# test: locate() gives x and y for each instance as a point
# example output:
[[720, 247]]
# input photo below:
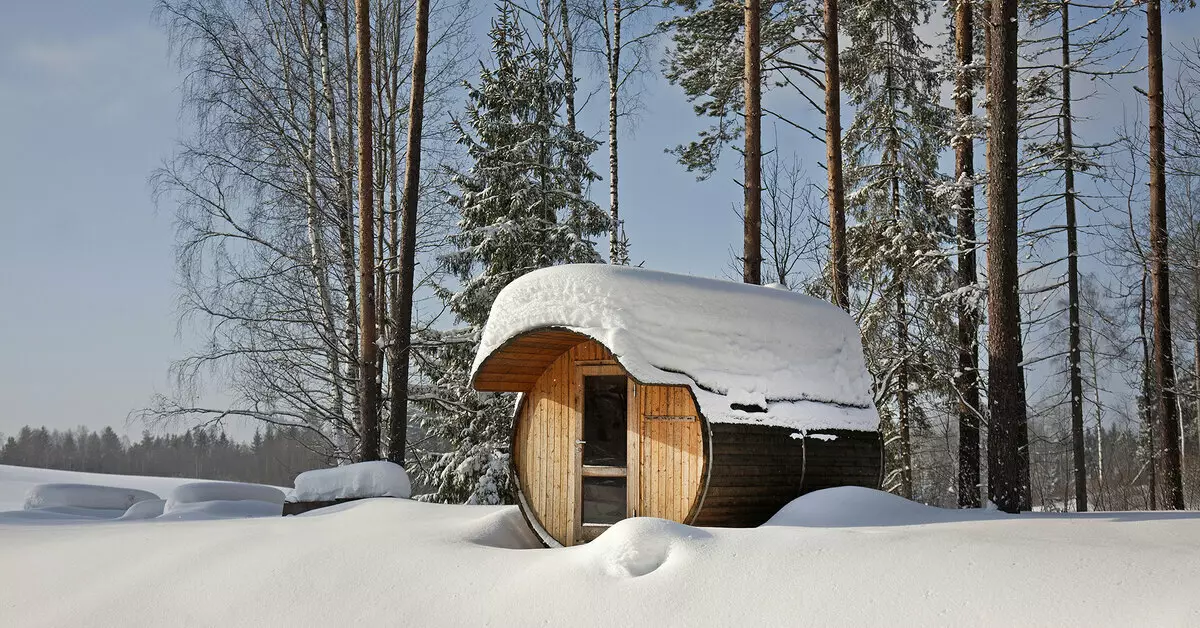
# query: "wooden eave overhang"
[[517, 364]]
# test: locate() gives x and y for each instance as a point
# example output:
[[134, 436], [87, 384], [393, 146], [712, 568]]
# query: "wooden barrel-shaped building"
[[706, 402]]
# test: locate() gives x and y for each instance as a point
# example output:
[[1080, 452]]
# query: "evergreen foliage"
[[522, 206], [896, 247], [706, 59], [275, 456]]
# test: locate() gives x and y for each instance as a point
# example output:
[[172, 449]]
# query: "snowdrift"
[[223, 499], [851, 506], [841, 557], [89, 496]]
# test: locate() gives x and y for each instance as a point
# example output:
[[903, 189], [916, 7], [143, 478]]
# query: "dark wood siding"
[[755, 469]]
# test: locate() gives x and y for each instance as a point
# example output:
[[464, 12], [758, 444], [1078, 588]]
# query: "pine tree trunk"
[[839, 279], [1148, 398], [1006, 386], [1164, 373], [614, 75], [403, 301], [568, 61], [368, 391], [752, 184], [1079, 456], [968, 318]]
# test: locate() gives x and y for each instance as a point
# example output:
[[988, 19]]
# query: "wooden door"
[[605, 487]]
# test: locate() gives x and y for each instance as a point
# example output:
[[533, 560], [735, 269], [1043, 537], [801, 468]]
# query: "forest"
[[357, 185], [273, 456]]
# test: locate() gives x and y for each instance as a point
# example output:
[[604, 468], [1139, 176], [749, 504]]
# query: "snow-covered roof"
[[734, 344]]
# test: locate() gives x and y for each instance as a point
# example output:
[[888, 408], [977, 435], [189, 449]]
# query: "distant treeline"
[[273, 456]]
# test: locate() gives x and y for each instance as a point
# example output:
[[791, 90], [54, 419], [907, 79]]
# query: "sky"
[[90, 106]]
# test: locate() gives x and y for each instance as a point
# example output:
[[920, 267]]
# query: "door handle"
[[580, 442]]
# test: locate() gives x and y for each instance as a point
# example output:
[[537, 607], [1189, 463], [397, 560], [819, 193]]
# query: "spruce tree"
[[892, 147], [522, 206]]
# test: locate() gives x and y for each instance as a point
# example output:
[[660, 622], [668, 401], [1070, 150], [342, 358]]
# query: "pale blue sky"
[[89, 106]]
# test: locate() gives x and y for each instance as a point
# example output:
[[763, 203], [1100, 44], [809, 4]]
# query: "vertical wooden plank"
[[664, 454], [576, 431], [680, 483], [566, 440], [554, 506], [633, 455], [685, 476]]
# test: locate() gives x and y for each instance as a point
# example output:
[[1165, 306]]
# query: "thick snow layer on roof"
[[798, 358], [378, 478]]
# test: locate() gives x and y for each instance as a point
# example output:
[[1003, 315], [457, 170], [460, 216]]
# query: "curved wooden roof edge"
[[516, 365]]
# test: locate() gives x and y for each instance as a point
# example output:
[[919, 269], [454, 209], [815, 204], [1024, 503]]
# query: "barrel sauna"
[[600, 434]]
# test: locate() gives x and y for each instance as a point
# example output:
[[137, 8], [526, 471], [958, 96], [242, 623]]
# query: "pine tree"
[[963, 141], [1167, 458], [519, 211], [892, 147], [402, 297], [1007, 417], [1056, 49], [707, 59]]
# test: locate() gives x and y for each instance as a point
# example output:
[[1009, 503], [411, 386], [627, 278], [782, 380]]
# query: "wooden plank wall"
[[672, 452], [756, 470], [544, 447]]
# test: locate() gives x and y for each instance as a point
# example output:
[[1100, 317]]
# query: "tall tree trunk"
[[1006, 381], [903, 397], [615, 253], [345, 214], [752, 184], [968, 318], [408, 241], [1079, 456], [316, 233], [383, 131], [1164, 371], [839, 269], [368, 384], [568, 55], [1148, 396]]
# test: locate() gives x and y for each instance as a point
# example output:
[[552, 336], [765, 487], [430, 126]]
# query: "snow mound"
[[146, 509], [855, 506], [84, 496], [15, 482], [222, 509], [190, 498], [751, 354], [379, 478], [504, 528], [640, 545]]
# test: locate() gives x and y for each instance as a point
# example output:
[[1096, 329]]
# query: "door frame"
[[631, 472]]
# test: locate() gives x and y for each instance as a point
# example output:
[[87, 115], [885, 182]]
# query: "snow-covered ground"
[[840, 557]]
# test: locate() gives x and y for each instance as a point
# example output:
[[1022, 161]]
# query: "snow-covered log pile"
[[378, 478], [751, 354], [325, 487]]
